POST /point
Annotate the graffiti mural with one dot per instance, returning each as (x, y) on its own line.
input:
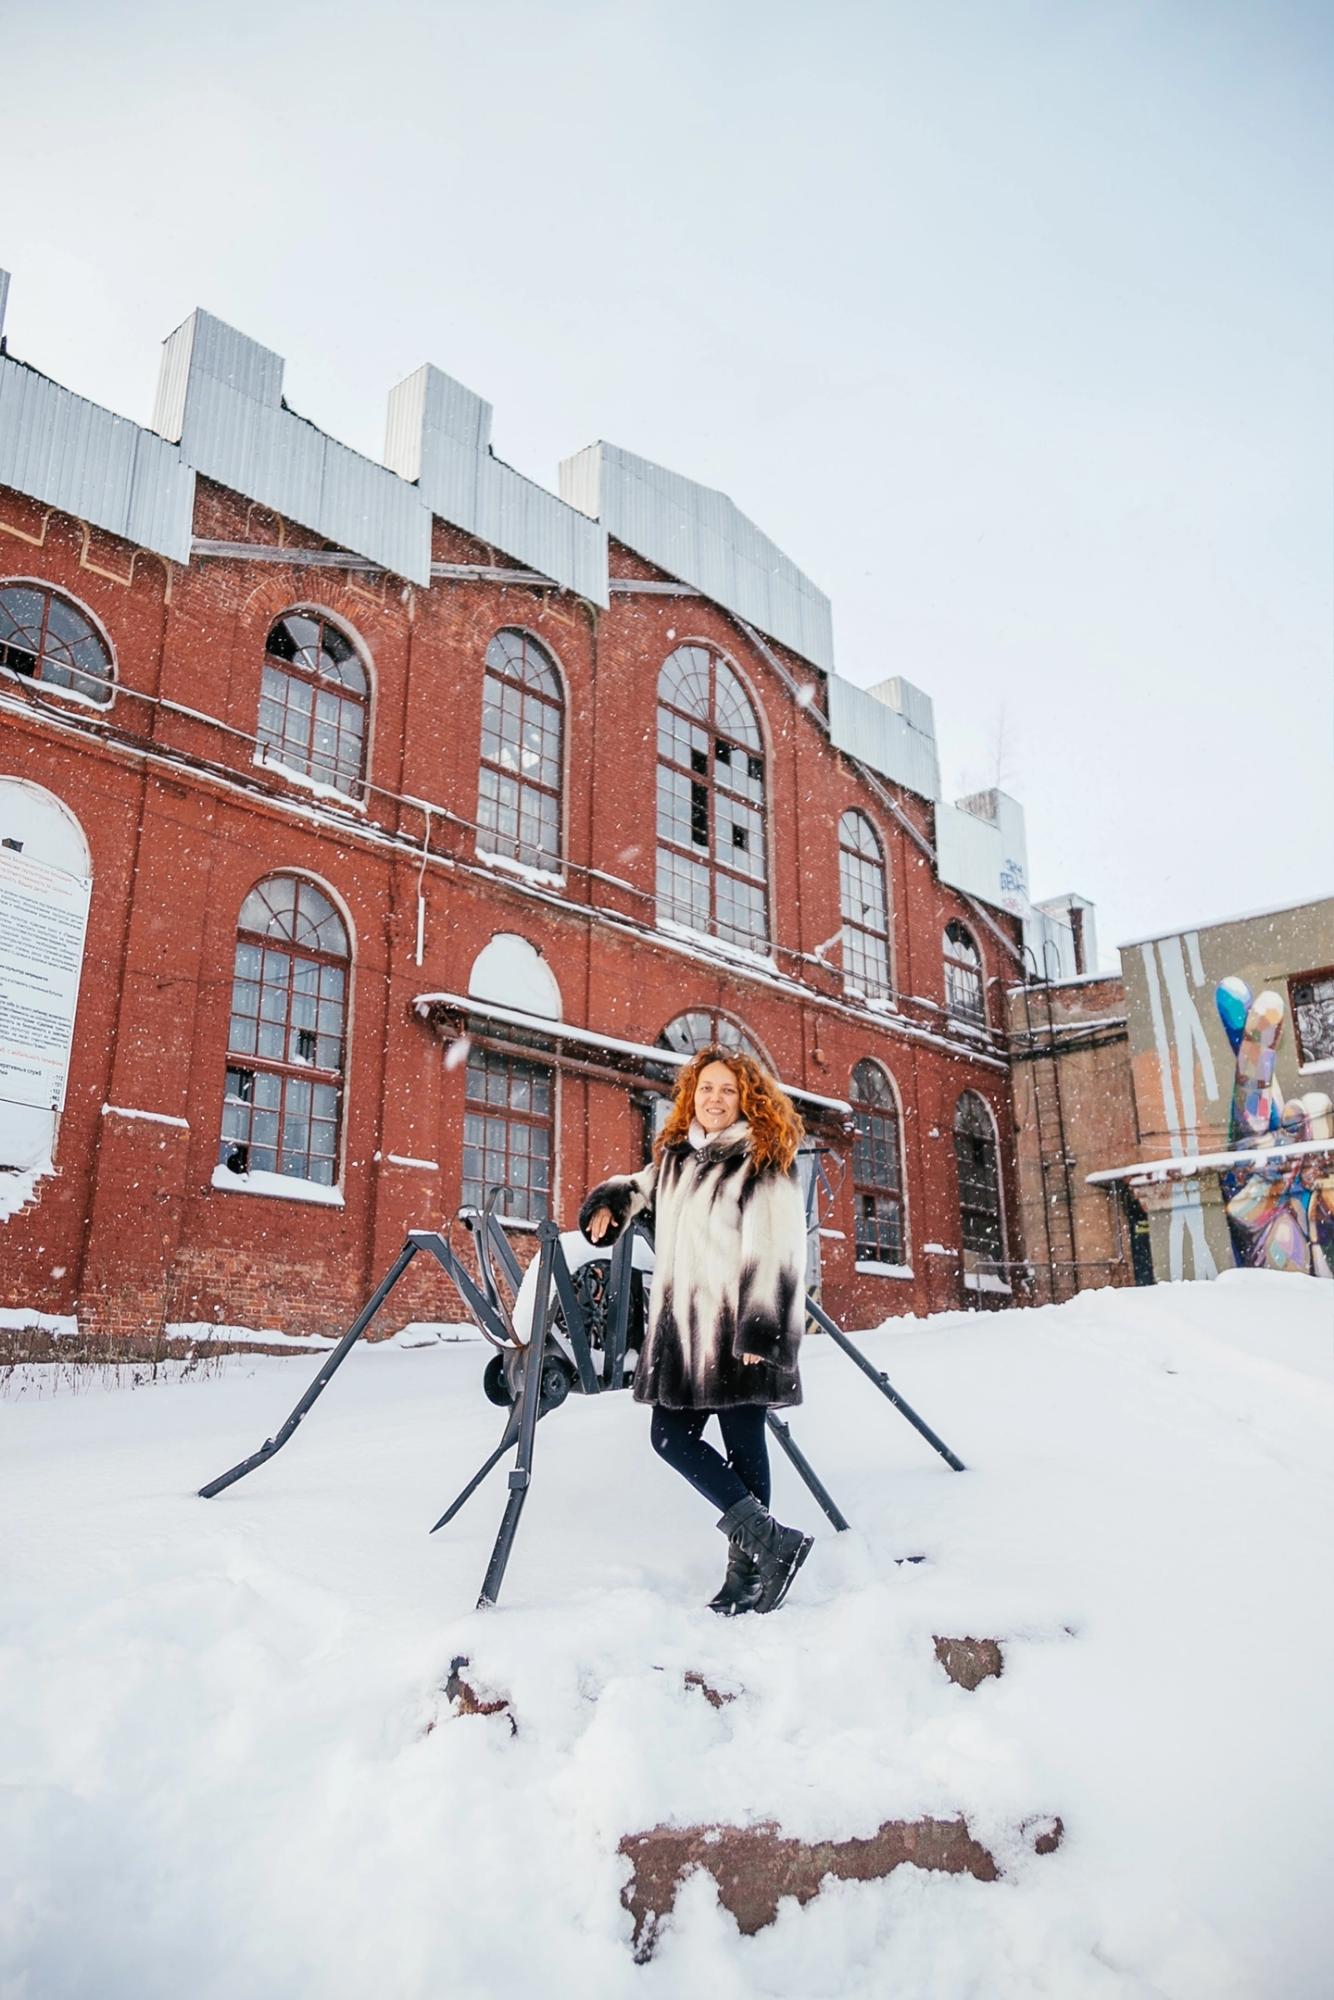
(1280, 1214)
(1179, 1053)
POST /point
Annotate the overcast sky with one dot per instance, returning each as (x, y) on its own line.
(1010, 323)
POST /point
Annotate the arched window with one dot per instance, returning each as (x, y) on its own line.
(712, 866)
(285, 1044)
(877, 1168)
(45, 638)
(313, 701)
(523, 725)
(981, 1225)
(964, 996)
(865, 906)
(697, 1030)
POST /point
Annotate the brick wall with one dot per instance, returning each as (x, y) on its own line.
(182, 823)
(1074, 1115)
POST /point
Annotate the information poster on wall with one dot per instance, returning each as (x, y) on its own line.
(43, 918)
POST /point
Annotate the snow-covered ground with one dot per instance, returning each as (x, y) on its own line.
(218, 1776)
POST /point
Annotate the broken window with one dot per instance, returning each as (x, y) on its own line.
(978, 1164)
(712, 863)
(964, 996)
(313, 703)
(46, 639)
(282, 1098)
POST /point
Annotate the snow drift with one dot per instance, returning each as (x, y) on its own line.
(231, 1763)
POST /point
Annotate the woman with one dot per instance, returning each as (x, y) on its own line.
(728, 1302)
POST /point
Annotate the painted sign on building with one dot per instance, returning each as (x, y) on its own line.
(43, 918)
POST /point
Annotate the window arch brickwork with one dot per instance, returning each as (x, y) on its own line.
(712, 840)
(287, 1033)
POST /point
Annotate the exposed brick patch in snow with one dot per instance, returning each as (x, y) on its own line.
(968, 1662)
(755, 1866)
(716, 1697)
(467, 1699)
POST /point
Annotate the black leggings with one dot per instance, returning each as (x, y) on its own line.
(677, 1436)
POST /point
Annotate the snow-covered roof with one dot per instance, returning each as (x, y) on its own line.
(538, 1024)
(1194, 1163)
(1238, 917)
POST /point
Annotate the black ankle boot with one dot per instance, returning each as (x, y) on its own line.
(741, 1585)
(776, 1551)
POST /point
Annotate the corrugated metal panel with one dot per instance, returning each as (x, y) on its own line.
(912, 702)
(236, 431)
(172, 381)
(235, 360)
(1052, 944)
(884, 737)
(986, 857)
(72, 454)
(698, 535)
(439, 432)
(379, 512)
(4, 297)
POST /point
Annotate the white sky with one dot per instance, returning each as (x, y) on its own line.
(1009, 322)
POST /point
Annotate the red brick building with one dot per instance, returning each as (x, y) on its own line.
(424, 825)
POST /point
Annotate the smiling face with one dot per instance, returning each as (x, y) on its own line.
(717, 1097)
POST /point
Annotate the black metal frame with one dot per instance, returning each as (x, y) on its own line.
(545, 1378)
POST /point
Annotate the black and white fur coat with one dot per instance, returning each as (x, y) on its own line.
(729, 1271)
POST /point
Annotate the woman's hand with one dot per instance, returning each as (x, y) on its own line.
(599, 1224)
(753, 1360)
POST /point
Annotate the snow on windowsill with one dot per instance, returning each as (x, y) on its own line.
(149, 1117)
(984, 1281)
(286, 1186)
(1322, 1065)
(316, 786)
(879, 1003)
(974, 1031)
(47, 689)
(874, 1270)
(544, 878)
(723, 947)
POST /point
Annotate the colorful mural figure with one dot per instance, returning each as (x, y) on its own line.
(1280, 1214)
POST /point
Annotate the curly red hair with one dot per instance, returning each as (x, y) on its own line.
(776, 1129)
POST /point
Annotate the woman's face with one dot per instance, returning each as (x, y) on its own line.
(717, 1097)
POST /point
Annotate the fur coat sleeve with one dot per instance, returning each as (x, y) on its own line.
(626, 1195)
